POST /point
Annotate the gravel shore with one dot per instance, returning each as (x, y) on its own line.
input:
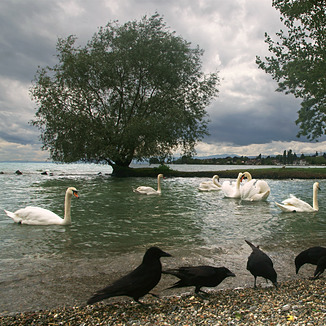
(295, 302)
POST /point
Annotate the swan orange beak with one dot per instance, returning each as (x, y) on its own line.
(75, 193)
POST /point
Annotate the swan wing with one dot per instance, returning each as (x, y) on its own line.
(146, 190)
(230, 190)
(260, 196)
(205, 183)
(264, 190)
(263, 186)
(286, 208)
(294, 204)
(227, 188)
(255, 190)
(208, 186)
(12, 215)
(35, 216)
(248, 190)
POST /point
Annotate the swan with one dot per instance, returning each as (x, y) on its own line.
(232, 190)
(294, 204)
(149, 190)
(40, 216)
(254, 190)
(212, 185)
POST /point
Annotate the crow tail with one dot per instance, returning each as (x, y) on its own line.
(97, 297)
(251, 245)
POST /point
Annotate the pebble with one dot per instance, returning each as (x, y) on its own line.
(295, 302)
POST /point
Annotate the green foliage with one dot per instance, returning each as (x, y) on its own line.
(133, 92)
(298, 61)
(316, 160)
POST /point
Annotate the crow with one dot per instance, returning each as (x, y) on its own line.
(314, 256)
(259, 264)
(199, 276)
(137, 283)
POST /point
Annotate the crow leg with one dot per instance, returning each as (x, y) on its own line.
(204, 294)
(316, 276)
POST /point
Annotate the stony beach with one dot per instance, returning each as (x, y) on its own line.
(294, 302)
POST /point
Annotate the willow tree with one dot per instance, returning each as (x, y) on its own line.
(298, 61)
(134, 91)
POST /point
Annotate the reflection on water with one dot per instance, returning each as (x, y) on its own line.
(109, 220)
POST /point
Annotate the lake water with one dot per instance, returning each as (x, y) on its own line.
(47, 266)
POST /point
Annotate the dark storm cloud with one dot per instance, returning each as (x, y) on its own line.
(25, 41)
(247, 112)
(250, 128)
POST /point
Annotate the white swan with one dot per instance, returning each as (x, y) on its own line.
(232, 190)
(212, 185)
(254, 190)
(149, 190)
(40, 216)
(294, 204)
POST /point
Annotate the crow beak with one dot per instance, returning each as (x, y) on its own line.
(165, 254)
(231, 274)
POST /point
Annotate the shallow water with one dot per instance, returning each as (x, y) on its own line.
(45, 266)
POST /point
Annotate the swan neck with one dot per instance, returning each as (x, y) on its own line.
(315, 199)
(158, 184)
(215, 181)
(238, 182)
(67, 217)
(248, 176)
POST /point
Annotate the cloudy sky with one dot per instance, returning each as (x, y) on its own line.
(248, 117)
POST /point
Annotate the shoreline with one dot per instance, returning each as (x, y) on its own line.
(280, 173)
(266, 172)
(295, 302)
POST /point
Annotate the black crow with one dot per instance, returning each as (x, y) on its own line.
(259, 264)
(137, 283)
(199, 276)
(314, 256)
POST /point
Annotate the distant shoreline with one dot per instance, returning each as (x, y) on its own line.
(257, 171)
(265, 173)
(268, 173)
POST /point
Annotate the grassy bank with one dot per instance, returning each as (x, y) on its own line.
(268, 173)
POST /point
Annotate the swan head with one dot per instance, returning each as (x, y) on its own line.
(316, 186)
(72, 191)
(246, 175)
(160, 176)
(241, 176)
(216, 177)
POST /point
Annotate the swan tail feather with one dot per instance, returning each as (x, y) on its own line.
(286, 207)
(13, 216)
(279, 205)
